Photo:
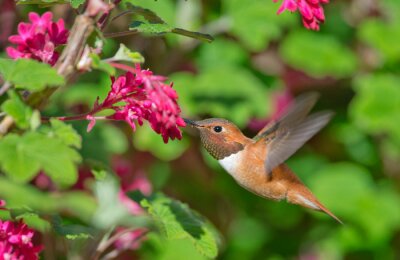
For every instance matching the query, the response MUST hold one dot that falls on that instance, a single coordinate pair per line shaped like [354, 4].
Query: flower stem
[122, 67]
[119, 34]
[74, 118]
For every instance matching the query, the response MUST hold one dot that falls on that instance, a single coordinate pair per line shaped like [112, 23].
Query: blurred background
[257, 64]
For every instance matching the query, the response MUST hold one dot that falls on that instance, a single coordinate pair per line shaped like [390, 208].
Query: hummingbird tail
[306, 199]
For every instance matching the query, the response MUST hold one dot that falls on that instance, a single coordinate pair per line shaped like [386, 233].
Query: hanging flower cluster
[39, 39]
[144, 96]
[16, 240]
[311, 11]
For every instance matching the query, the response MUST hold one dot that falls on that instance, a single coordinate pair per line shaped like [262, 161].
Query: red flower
[16, 241]
[311, 11]
[39, 39]
[145, 97]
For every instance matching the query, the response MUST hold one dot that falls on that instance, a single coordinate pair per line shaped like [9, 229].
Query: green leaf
[29, 74]
[16, 108]
[364, 201]
[79, 204]
[145, 139]
[23, 156]
[151, 28]
[153, 24]
[98, 169]
[125, 54]
[72, 231]
[382, 36]
[221, 52]
[177, 221]
[376, 106]
[97, 63]
[32, 219]
[255, 22]
[328, 58]
[66, 133]
[76, 3]
[210, 94]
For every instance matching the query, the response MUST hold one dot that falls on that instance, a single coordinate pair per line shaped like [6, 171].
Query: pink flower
[2, 203]
[130, 240]
[145, 97]
[311, 11]
[39, 39]
[16, 241]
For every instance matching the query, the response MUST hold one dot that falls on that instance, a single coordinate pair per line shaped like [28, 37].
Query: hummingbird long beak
[191, 122]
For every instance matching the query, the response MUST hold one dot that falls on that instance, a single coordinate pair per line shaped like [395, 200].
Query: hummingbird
[257, 164]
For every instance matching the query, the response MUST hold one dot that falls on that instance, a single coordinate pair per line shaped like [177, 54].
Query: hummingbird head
[219, 137]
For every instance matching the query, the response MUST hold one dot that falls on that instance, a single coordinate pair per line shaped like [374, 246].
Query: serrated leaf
[29, 74]
[76, 3]
[153, 24]
[71, 231]
[32, 219]
[125, 54]
[98, 169]
[16, 108]
[97, 63]
[177, 221]
[66, 133]
[151, 28]
[23, 156]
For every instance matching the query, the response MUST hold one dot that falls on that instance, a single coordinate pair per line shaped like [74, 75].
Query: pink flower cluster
[39, 39]
[16, 241]
[145, 97]
[311, 11]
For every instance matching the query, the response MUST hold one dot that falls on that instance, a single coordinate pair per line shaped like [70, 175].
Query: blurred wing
[286, 137]
[294, 114]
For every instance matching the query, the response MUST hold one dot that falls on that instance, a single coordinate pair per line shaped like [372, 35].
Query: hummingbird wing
[296, 112]
[286, 135]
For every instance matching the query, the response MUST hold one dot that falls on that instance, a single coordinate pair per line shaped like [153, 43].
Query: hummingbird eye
[217, 129]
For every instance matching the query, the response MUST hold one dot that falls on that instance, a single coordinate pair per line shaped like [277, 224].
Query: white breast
[231, 162]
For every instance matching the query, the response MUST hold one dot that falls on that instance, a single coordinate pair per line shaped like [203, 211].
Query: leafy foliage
[18, 110]
[71, 185]
[153, 24]
[40, 75]
[23, 156]
[177, 221]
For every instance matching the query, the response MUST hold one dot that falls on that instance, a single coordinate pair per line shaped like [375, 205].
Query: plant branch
[120, 34]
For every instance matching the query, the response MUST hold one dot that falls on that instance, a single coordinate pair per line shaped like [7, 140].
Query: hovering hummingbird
[257, 164]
